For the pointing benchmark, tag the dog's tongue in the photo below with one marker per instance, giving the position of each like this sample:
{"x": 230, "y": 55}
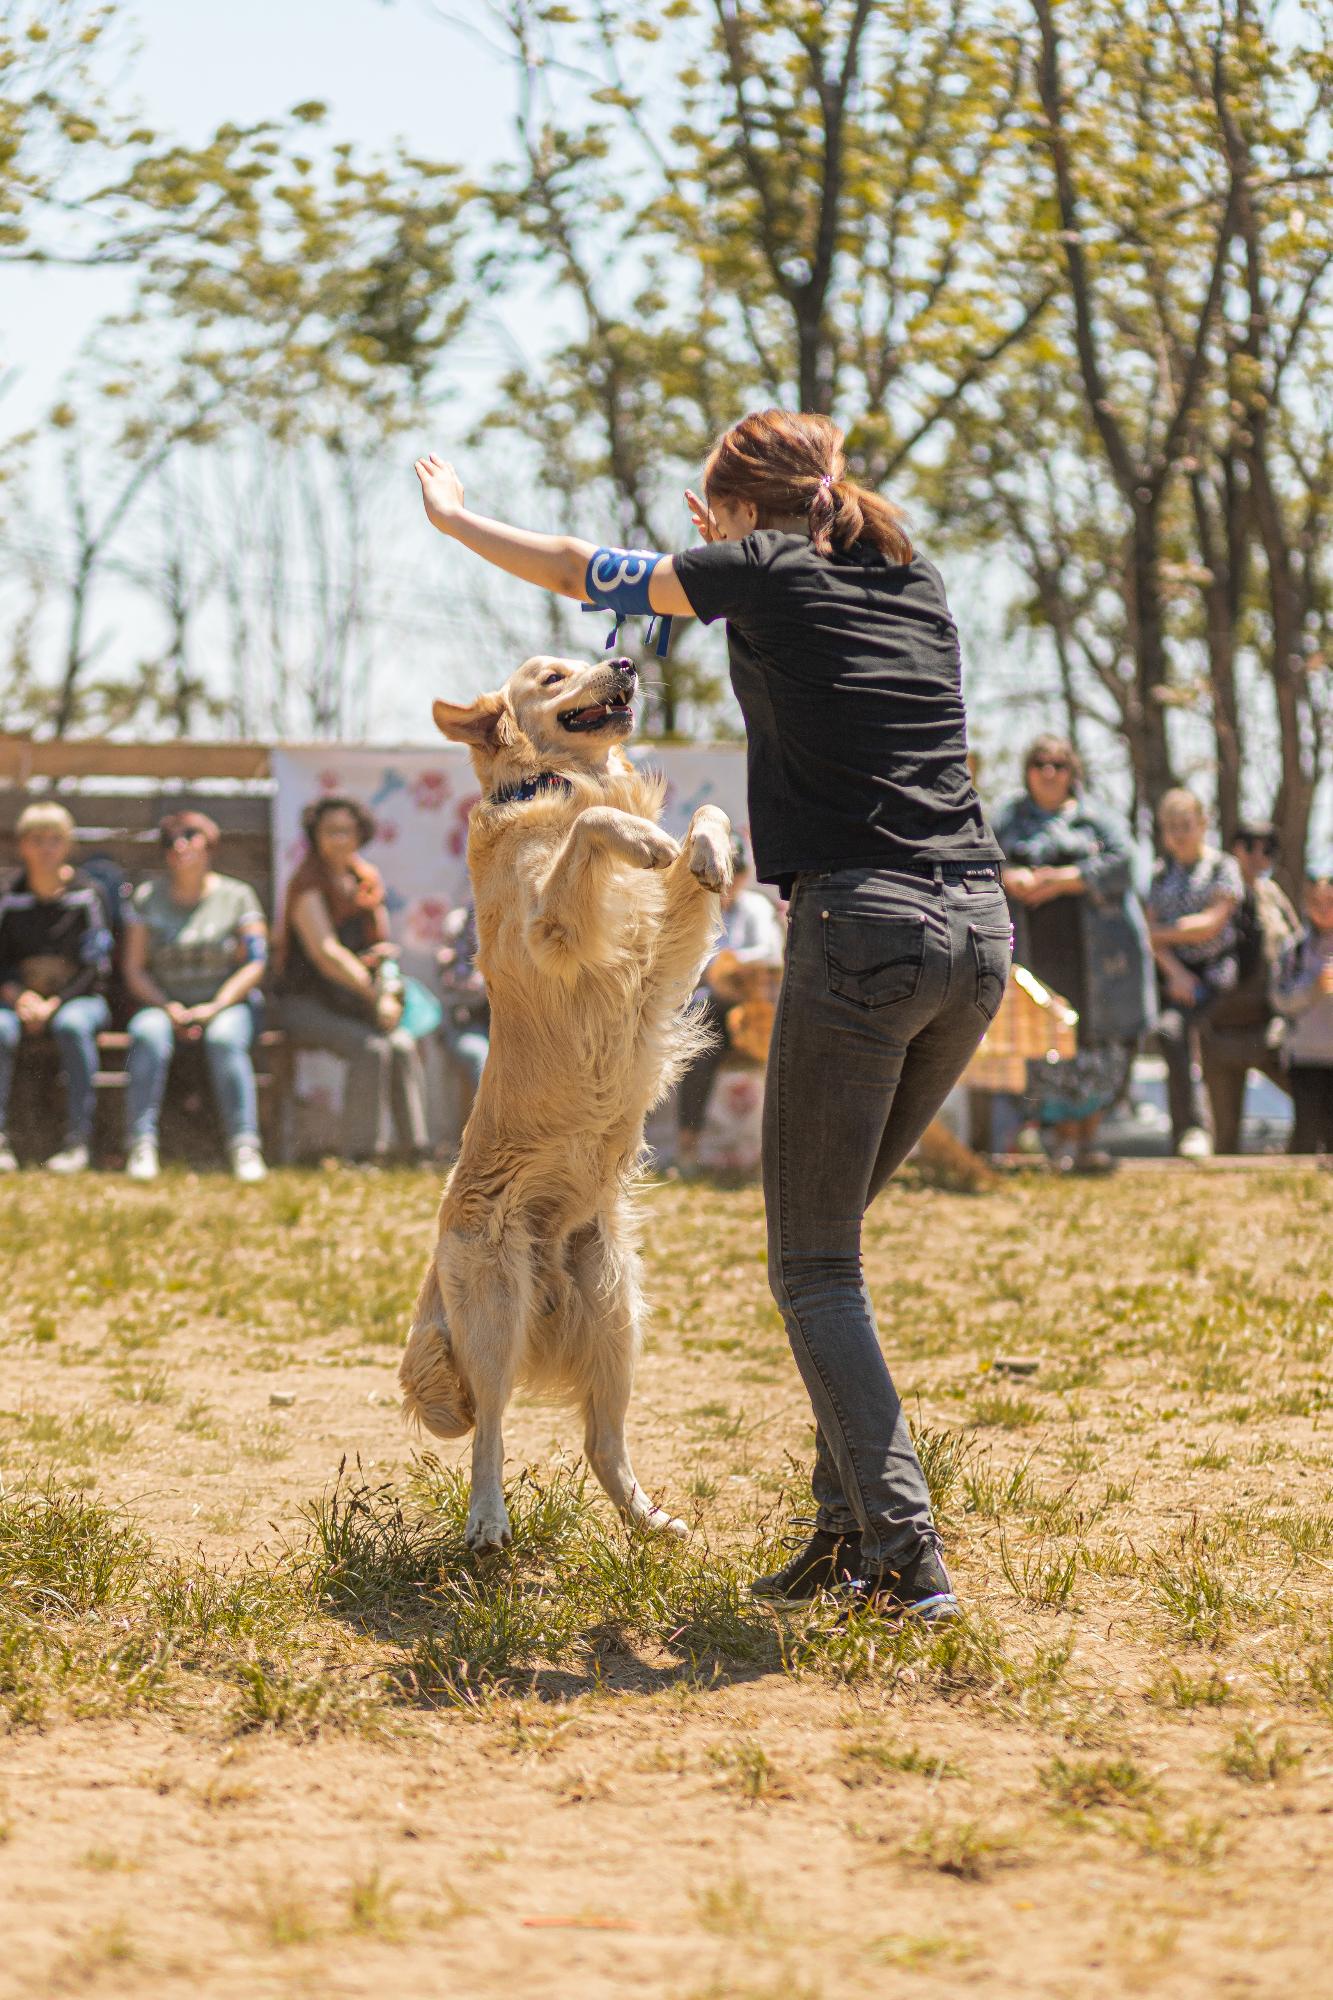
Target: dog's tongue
{"x": 593, "y": 713}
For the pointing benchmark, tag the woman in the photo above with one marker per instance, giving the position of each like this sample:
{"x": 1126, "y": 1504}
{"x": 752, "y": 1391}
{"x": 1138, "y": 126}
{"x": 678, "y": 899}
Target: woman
{"x": 845, "y": 662}
{"x": 338, "y": 984}
{"x": 1069, "y": 877}
{"x": 1194, "y": 905}
{"x": 55, "y": 951}
{"x": 195, "y": 947}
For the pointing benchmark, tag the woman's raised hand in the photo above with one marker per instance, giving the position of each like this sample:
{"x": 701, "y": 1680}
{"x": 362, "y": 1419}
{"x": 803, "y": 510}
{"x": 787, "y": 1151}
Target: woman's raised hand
{"x": 702, "y": 516}
{"x": 441, "y": 489}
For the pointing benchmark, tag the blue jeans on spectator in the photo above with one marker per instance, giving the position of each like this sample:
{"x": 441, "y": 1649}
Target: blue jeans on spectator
{"x": 891, "y": 980}
{"x": 227, "y": 1041}
{"x": 75, "y": 1028}
{"x": 467, "y": 1038}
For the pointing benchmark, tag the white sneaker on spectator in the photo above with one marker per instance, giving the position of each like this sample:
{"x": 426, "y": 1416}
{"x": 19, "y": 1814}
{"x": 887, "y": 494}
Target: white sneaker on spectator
{"x": 247, "y": 1162}
{"x": 8, "y": 1163}
{"x": 69, "y": 1160}
{"x": 142, "y": 1165}
{"x": 1195, "y": 1144}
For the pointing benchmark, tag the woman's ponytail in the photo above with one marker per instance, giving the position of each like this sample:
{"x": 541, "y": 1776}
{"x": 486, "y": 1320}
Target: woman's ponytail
{"x": 791, "y": 466}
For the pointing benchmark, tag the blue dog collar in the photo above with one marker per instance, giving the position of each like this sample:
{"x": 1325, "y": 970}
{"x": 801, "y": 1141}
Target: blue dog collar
{"x": 529, "y": 788}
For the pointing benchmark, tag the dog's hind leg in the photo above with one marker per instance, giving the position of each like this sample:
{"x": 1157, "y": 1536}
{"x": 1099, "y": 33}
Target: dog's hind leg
{"x": 488, "y": 1289}
{"x": 605, "y": 1271}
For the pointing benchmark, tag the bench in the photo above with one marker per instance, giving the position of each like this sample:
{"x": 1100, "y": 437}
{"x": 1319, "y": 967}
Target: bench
{"x": 187, "y": 1112}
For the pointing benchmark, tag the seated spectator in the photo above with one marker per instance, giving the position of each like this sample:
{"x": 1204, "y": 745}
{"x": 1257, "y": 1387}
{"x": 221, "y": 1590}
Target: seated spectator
{"x": 55, "y": 947}
{"x": 1240, "y": 1030}
{"x": 195, "y": 947}
{"x": 466, "y": 1027}
{"x": 339, "y": 984}
{"x": 1193, "y": 903}
{"x": 1303, "y": 990}
{"x": 751, "y": 935}
{"x": 1078, "y": 928}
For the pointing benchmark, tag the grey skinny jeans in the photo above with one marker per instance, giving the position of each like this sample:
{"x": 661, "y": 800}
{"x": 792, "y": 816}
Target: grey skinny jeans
{"x": 891, "y": 980}
{"x": 385, "y": 1083}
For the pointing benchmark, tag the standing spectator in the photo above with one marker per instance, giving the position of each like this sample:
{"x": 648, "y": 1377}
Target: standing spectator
{"x": 1193, "y": 903}
{"x": 752, "y": 935}
{"x": 336, "y": 968}
{"x": 195, "y": 948}
{"x": 1303, "y": 990}
{"x": 1078, "y": 928}
{"x": 466, "y": 1028}
{"x": 55, "y": 948}
{"x": 1240, "y": 1030}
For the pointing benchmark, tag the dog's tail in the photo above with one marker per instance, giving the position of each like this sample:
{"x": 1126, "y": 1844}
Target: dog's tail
{"x": 434, "y": 1394}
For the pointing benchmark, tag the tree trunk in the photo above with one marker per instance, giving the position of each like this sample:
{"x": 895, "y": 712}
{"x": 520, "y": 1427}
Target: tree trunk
{"x": 1148, "y": 741}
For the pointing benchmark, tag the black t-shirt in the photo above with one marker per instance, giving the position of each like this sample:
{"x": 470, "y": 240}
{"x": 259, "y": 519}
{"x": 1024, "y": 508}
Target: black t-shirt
{"x": 848, "y": 673}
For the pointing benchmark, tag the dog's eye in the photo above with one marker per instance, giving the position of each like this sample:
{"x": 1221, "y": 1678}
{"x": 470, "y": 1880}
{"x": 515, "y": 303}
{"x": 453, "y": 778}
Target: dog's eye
{"x": 552, "y": 679}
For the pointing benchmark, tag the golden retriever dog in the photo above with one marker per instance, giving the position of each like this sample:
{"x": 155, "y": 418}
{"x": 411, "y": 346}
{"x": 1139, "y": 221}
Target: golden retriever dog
{"x": 593, "y": 925}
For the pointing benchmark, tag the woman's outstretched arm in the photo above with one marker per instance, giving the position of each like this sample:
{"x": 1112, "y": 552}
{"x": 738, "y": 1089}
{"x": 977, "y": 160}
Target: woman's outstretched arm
{"x": 557, "y": 563}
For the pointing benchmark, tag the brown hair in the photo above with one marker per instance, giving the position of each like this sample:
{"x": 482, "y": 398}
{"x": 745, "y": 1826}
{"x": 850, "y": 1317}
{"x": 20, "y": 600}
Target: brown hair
{"x": 790, "y": 465}
{"x": 1042, "y": 747}
{"x": 189, "y": 822}
{"x": 338, "y": 802}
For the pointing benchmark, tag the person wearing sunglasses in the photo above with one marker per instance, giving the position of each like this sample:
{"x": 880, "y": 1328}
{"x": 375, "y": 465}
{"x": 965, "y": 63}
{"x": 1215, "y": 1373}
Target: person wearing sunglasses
{"x": 195, "y": 949}
{"x": 1242, "y": 1030}
{"x": 1079, "y": 929}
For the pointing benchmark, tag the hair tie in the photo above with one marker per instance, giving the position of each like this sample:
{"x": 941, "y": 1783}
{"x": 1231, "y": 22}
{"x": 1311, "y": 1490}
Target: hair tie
{"x": 827, "y": 479}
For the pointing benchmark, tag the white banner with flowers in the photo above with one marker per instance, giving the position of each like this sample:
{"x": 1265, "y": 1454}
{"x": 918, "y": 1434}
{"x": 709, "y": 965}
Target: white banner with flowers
{"x": 420, "y": 799}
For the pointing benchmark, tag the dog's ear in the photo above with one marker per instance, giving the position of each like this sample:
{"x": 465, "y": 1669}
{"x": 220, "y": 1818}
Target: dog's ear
{"x": 489, "y": 723}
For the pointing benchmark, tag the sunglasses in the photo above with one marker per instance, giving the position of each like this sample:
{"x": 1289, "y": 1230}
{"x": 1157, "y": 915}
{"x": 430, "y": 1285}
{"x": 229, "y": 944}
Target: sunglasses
{"x": 189, "y": 833}
{"x": 1050, "y": 764}
{"x": 1261, "y": 841}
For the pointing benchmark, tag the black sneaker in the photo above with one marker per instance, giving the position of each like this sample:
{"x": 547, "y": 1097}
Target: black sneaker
{"x": 920, "y": 1589}
{"x": 826, "y": 1560}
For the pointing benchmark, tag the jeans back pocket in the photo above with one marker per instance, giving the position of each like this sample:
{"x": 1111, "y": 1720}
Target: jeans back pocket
{"x": 875, "y": 961}
{"x": 992, "y": 954}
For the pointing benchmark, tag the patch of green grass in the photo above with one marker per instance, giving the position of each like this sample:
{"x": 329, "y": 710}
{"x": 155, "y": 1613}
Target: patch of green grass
{"x": 961, "y": 1847}
{"x": 1260, "y": 1756}
{"x": 869, "y": 1760}
{"x": 1189, "y": 1691}
{"x": 748, "y": 1768}
{"x": 1043, "y": 1575}
{"x": 371, "y": 1911}
{"x": 1100, "y": 1781}
{"x": 998, "y": 1410}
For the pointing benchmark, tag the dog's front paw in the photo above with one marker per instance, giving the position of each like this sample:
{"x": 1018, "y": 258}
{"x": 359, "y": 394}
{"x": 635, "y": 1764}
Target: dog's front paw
{"x": 647, "y": 846}
{"x": 488, "y": 1530}
{"x": 659, "y": 1522}
{"x": 708, "y": 845}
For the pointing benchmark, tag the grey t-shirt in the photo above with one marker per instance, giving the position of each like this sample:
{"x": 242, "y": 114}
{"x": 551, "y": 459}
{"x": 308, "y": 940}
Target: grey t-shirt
{"x": 191, "y": 950}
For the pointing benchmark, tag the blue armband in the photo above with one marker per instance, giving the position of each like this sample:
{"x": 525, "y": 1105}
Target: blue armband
{"x": 256, "y": 948}
{"x": 617, "y": 580}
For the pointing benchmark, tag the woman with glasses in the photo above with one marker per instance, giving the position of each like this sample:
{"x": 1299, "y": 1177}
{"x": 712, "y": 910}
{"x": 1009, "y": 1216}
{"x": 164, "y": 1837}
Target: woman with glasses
{"x": 1078, "y": 928}
{"x": 195, "y": 949}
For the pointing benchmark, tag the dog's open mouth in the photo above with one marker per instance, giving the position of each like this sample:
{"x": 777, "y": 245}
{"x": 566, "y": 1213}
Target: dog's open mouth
{"x": 598, "y": 714}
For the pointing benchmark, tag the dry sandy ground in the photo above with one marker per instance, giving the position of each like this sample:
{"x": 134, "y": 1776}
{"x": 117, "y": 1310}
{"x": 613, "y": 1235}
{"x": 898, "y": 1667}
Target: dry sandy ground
{"x": 1139, "y": 1799}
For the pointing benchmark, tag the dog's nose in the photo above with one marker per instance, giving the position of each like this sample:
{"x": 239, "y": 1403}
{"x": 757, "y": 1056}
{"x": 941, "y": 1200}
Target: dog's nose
{"x": 625, "y": 668}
